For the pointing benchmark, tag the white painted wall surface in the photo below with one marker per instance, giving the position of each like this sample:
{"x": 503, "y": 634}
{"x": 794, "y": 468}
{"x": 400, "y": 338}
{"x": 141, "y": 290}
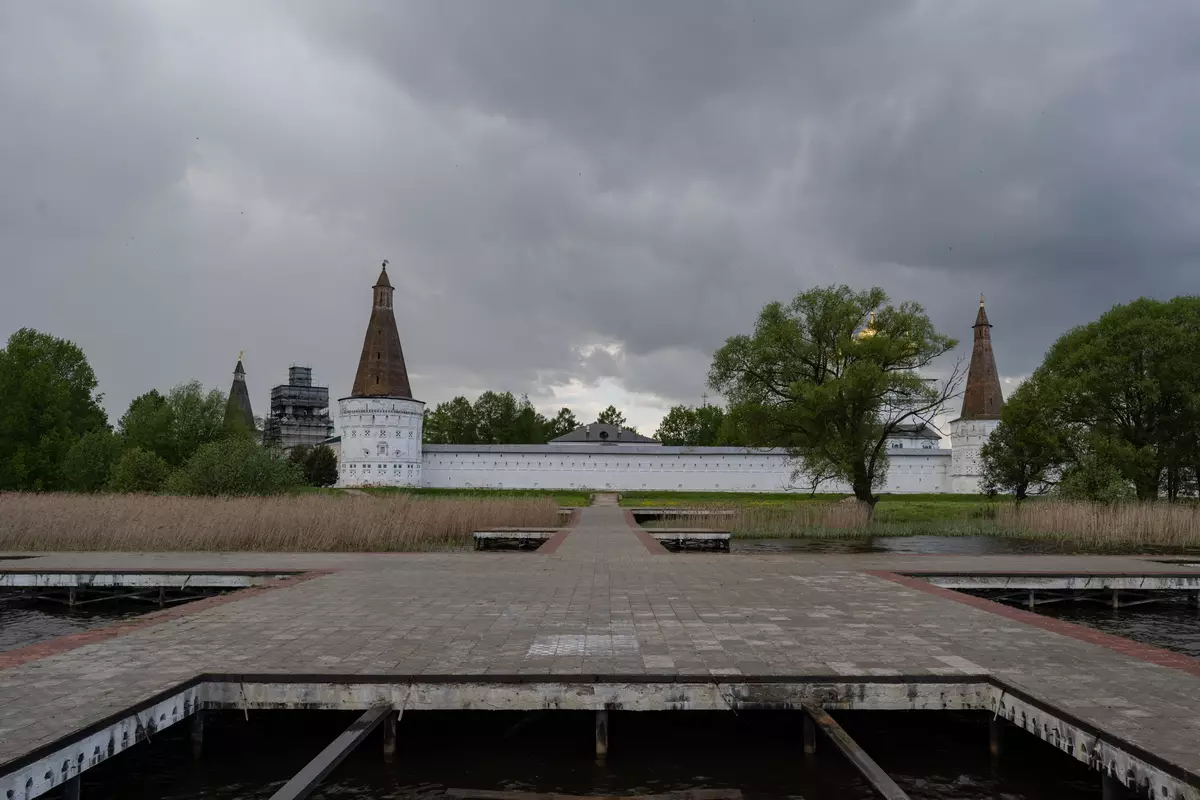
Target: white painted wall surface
{"x": 381, "y": 441}
{"x": 604, "y": 467}
{"x": 967, "y": 438}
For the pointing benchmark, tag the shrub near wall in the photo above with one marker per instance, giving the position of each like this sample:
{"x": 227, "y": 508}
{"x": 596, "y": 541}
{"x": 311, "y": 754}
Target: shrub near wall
{"x": 231, "y": 467}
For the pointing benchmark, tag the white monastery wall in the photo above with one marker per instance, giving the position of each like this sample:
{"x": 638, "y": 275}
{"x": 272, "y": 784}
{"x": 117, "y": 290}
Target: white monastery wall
{"x": 380, "y": 442}
{"x": 656, "y": 468}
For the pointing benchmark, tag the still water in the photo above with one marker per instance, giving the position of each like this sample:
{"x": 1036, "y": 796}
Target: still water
{"x": 930, "y": 754}
{"x": 1170, "y": 624}
{"x": 23, "y": 623}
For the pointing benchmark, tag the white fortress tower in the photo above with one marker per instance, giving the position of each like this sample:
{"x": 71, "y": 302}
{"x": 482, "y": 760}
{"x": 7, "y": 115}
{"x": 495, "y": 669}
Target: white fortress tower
{"x": 380, "y": 421}
{"x": 980, "y": 411}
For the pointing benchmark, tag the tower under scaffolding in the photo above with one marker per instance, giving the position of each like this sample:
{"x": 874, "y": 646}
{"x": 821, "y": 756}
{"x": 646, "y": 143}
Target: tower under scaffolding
{"x": 299, "y": 412}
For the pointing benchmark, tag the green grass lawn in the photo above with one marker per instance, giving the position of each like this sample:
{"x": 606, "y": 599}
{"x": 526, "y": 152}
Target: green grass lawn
{"x": 564, "y": 497}
{"x": 691, "y": 499}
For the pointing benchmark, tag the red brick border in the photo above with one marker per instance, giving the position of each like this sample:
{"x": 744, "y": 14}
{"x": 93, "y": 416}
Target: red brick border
{"x": 70, "y": 641}
{"x": 649, "y": 542}
{"x": 554, "y": 542}
{"x": 1128, "y": 647}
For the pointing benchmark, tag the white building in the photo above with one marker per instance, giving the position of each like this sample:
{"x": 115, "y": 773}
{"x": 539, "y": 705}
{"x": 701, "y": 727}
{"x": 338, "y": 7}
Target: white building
{"x": 380, "y": 442}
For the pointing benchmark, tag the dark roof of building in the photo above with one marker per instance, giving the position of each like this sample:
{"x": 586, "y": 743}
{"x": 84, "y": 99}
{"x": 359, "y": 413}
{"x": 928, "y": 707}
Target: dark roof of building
{"x": 381, "y": 369}
{"x": 918, "y": 430}
{"x": 237, "y": 407}
{"x": 982, "y": 398}
{"x": 602, "y": 433}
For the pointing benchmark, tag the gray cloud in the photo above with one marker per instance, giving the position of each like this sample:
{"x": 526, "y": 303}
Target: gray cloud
{"x": 185, "y": 181}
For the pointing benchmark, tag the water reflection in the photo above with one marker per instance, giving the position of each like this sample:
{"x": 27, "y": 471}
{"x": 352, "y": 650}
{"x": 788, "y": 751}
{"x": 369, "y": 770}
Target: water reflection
{"x": 23, "y": 624}
{"x": 1169, "y": 624}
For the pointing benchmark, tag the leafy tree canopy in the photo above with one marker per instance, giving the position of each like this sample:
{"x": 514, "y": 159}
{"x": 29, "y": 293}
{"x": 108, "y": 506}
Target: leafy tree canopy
{"x": 175, "y": 426}
{"x": 90, "y": 460}
{"x": 48, "y": 400}
{"x": 494, "y": 418}
{"x": 830, "y": 376}
{"x": 234, "y": 466}
{"x": 1026, "y": 450}
{"x": 138, "y": 471}
{"x": 685, "y": 426}
{"x": 1128, "y": 386}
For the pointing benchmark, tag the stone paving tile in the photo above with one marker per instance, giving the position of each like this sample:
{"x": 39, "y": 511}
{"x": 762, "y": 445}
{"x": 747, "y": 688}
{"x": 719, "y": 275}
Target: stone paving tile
{"x": 602, "y": 604}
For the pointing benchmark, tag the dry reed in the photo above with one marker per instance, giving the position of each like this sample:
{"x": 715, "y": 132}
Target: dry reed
{"x": 1087, "y": 526}
{"x": 1104, "y": 526}
{"x": 304, "y": 523}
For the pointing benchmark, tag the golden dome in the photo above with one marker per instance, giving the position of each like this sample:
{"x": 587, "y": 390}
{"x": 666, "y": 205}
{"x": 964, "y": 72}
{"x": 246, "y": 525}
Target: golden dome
{"x": 869, "y": 331}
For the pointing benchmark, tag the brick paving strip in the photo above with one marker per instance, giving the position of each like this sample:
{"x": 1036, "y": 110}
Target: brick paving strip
{"x": 599, "y": 606}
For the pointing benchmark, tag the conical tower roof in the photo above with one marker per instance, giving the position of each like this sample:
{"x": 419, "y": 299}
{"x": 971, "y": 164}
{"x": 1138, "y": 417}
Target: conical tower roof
{"x": 982, "y": 398}
{"x": 381, "y": 368}
{"x": 237, "y": 408}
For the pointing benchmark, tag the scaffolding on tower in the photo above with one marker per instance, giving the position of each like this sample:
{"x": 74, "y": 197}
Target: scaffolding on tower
{"x": 299, "y": 412}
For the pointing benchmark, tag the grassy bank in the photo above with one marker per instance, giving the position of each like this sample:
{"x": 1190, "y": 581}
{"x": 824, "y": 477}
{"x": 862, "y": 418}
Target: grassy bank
{"x": 299, "y": 523}
{"x": 564, "y": 497}
{"x": 1081, "y": 525}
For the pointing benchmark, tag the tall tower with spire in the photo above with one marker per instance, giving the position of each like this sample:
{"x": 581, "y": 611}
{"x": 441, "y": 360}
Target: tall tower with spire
{"x": 380, "y": 422}
{"x": 980, "y": 410}
{"x": 238, "y": 413}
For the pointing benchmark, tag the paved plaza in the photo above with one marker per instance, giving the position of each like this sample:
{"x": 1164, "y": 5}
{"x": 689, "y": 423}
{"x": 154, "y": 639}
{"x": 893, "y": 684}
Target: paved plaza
{"x": 606, "y": 602}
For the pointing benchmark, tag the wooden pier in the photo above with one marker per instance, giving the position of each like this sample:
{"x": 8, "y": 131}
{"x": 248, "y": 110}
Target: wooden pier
{"x": 606, "y": 619}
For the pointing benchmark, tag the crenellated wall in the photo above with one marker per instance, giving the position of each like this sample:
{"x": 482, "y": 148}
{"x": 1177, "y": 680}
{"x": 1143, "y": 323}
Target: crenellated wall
{"x": 967, "y": 437}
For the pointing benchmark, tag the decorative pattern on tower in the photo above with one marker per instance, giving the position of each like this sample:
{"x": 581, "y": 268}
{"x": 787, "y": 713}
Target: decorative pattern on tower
{"x": 381, "y": 369}
{"x": 237, "y": 408}
{"x": 982, "y": 398}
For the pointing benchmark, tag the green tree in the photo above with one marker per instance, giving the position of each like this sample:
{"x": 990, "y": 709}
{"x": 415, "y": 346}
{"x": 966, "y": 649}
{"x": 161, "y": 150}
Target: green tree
{"x": 48, "y": 400}
{"x": 611, "y": 416}
{"x": 1026, "y": 450}
{"x": 148, "y": 424}
{"x": 1094, "y": 476}
{"x": 563, "y": 423}
{"x": 233, "y": 466}
{"x": 684, "y": 426}
{"x": 321, "y": 466}
{"x": 197, "y": 418}
{"x": 452, "y": 422}
{"x": 1129, "y": 385}
{"x": 819, "y": 379}
{"x": 90, "y": 460}
{"x": 138, "y": 471}
{"x": 298, "y": 456}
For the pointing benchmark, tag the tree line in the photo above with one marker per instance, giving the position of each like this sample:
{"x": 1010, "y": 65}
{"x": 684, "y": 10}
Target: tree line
{"x": 1112, "y": 413}
{"x": 55, "y": 435}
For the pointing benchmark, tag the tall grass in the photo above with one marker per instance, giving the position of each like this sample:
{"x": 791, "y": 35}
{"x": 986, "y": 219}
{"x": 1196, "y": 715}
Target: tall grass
{"x": 1155, "y": 524}
{"x": 303, "y": 523}
{"x": 1089, "y": 526}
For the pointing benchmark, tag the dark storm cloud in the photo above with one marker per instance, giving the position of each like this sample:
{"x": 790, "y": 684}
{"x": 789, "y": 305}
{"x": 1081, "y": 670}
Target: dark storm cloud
{"x": 578, "y": 192}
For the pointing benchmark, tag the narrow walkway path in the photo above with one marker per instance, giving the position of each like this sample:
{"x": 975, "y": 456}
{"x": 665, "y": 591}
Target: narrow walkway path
{"x": 602, "y": 533}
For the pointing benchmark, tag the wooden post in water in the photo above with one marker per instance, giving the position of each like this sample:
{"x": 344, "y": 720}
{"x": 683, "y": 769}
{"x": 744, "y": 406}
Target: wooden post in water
{"x": 1193, "y": 600}
{"x": 810, "y": 736}
{"x": 601, "y": 736}
{"x": 1116, "y": 598}
{"x": 198, "y": 733}
{"x": 71, "y": 789}
{"x": 1032, "y": 601}
{"x": 996, "y": 738}
{"x": 1111, "y": 788}
{"x": 389, "y": 739}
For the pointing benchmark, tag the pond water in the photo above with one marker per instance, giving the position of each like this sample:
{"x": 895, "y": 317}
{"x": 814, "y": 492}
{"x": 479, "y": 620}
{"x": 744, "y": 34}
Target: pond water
{"x": 926, "y": 545}
{"x": 1170, "y": 624}
{"x": 23, "y": 623}
{"x": 930, "y": 754}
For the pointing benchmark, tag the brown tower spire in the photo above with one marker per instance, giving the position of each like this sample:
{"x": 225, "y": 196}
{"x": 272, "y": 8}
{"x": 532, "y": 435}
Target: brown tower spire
{"x": 381, "y": 370}
{"x": 982, "y": 399}
{"x": 237, "y": 407}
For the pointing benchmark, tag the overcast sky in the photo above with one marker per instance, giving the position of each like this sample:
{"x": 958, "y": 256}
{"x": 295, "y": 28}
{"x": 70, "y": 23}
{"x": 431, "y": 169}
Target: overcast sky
{"x": 578, "y": 200}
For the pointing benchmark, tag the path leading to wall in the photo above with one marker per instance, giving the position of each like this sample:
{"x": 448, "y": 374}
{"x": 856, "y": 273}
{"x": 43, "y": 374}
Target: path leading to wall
{"x": 604, "y": 532}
